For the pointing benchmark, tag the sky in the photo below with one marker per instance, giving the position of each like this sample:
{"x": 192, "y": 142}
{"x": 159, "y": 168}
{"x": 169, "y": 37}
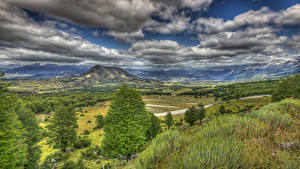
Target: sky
{"x": 149, "y": 34}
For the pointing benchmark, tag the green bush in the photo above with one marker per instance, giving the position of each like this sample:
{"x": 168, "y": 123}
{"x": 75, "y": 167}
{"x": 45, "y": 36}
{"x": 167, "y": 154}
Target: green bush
{"x": 215, "y": 152}
{"x": 53, "y": 159}
{"x": 91, "y": 153}
{"x": 82, "y": 142}
{"x": 239, "y": 126}
{"x": 166, "y": 147}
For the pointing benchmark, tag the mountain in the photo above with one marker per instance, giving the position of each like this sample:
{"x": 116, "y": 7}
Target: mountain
{"x": 223, "y": 73}
{"x": 108, "y": 74}
{"x": 42, "y": 71}
{"x": 90, "y": 75}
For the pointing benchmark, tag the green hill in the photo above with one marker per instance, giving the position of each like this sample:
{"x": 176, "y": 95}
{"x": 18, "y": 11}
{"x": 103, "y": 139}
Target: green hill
{"x": 266, "y": 138}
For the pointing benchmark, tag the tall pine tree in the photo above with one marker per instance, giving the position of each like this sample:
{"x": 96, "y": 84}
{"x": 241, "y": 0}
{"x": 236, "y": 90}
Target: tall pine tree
{"x": 169, "y": 120}
{"x": 12, "y": 143}
{"x": 63, "y": 127}
{"x": 33, "y": 136}
{"x": 126, "y": 124}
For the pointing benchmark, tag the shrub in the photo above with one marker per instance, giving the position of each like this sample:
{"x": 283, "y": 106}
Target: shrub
{"x": 99, "y": 122}
{"x": 51, "y": 160}
{"x": 91, "y": 153}
{"x": 166, "y": 147}
{"x": 73, "y": 165}
{"x": 215, "y": 152}
{"x": 239, "y": 126}
{"x": 82, "y": 142}
{"x": 86, "y": 132}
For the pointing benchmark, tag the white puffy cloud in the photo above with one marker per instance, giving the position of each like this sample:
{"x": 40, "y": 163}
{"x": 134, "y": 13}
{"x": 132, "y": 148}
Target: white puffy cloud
{"x": 290, "y": 16}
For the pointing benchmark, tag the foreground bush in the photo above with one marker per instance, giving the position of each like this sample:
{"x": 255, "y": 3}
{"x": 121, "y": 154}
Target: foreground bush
{"x": 240, "y": 127}
{"x": 163, "y": 150}
{"x": 213, "y": 153}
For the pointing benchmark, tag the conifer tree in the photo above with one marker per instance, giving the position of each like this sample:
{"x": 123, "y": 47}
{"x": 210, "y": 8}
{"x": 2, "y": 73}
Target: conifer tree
{"x": 155, "y": 127}
{"x": 222, "y": 109}
{"x": 200, "y": 112}
{"x": 12, "y": 144}
{"x": 63, "y": 127}
{"x": 169, "y": 120}
{"x": 126, "y": 124}
{"x": 33, "y": 136}
{"x": 190, "y": 116}
{"x": 99, "y": 122}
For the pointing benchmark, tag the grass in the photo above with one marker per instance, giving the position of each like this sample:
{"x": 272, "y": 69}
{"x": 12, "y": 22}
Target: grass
{"x": 88, "y": 114}
{"x": 230, "y": 141}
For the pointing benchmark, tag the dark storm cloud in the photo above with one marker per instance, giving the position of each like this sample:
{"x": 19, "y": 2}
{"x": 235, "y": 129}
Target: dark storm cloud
{"x": 247, "y": 39}
{"x": 19, "y": 33}
{"x": 123, "y": 19}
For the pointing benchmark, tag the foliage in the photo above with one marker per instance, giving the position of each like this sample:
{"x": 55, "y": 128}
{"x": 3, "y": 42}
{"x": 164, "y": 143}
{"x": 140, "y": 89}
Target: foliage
{"x": 222, "y": 109}
{"x": 169, "y": 120}
{"x": 12, "y": 142}
{"x": 82, "y": 142}
{"x": 63, "y": 127}
{"x": 33, "y": 136}
{"x": 99, "y": 122}
{"x": 52, "y": 160}
{"x": 190, "y": 116}
{"x": 287, "y": 87}
{"x": 165, "y": 148}
{"x": 200, "y": 111}
{"x": 126, "y": 124}
{"x": 194, "y": 113}
{"x": 215, "y": 153}
{"x": 155, "y": 127}
{"x": 91, "y": 153}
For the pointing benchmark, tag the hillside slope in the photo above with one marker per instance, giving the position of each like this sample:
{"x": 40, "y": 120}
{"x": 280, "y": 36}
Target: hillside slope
{"x": 266, "y": 138}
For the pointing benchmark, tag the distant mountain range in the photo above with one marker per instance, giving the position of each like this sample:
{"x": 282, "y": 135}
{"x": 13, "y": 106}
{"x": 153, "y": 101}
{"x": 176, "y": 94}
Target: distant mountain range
{"x": 115, "y": 74}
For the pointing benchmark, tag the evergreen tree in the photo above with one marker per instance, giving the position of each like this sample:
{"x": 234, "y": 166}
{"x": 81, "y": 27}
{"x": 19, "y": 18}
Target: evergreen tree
{"x": 169, "y": 120}
{"x": 190, "y": 116}
{"x": 200, "y": 112}
{"x": 126, "y": 124}
{"x": 222, "y": 109}
{"x": 155, "y": 127}
{"x": 12, "y": 144}
{"x": 63, "y": 127}
{"x": 99, "y": 122}
{"x": 33, "y": 136}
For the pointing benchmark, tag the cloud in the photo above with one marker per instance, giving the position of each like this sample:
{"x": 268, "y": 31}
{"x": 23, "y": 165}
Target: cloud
{"x": 290, "y": 16}
{"x": 127, "y": 37}
{"x": 253, "y": 19}
{"x": 24, "y": 40}
{"x": 176, "y": 25}
{"x": 95, "y": 33}
{"x": 249, "y": 38}
{"x": 119, "y": 16}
